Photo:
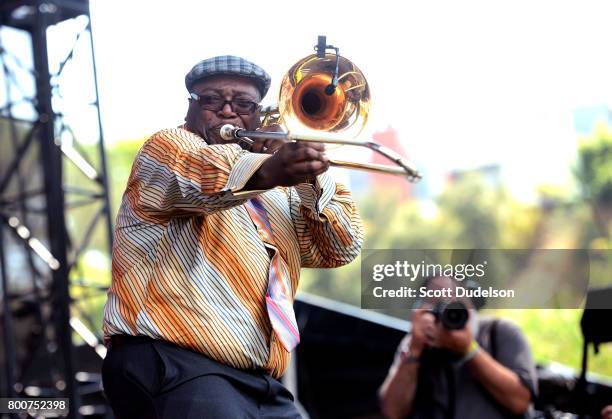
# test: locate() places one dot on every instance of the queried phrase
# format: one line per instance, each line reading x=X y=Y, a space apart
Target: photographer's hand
x=456 y=341
x=423 y=331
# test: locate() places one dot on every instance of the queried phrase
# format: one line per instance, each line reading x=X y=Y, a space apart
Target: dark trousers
x=151 y=379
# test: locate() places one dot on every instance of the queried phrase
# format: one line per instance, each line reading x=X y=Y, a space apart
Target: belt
x=117 y=341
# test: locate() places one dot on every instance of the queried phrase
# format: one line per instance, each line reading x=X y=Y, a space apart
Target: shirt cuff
x=244 y=168
x=316 y=197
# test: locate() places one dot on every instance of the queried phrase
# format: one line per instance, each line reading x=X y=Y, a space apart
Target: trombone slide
x=229 y=132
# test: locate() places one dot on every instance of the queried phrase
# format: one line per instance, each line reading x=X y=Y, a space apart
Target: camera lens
x=454 y=315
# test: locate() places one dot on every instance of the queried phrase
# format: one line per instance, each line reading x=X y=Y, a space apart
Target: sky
x=464 y=84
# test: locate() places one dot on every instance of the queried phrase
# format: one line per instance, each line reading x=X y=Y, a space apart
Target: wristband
x=473 y=350
x=407 y=357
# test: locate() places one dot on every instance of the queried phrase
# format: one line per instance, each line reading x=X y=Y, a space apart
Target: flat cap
x=228 y=64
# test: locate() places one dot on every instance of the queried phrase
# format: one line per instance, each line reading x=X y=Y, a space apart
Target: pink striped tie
x=278 y=300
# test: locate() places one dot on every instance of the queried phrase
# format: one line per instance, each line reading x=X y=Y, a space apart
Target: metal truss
x=54 y=200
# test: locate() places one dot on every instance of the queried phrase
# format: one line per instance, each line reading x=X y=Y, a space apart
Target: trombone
x=322 y=95
x=229 y=132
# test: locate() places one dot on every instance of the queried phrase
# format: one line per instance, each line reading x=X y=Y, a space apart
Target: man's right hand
x=293 y=163
x=422 y=331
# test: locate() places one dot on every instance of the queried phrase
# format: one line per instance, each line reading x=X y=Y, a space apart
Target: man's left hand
x=456 y=341
x=268 y=145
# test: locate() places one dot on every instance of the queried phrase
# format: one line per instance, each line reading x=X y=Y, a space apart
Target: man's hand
x=455 y=341
x=428 y=332
x=291 y=164
x=268 y=145
x=422 y=331
x=295 y=163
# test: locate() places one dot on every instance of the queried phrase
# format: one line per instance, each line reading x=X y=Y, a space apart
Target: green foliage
x=474 y=207
x=554 y=335
x=120 y=157
x=88 y=284
x=594 y=170
x=594 y=174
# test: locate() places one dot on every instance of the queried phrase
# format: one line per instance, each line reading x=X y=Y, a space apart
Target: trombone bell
x=307 y=106
x=314 y=108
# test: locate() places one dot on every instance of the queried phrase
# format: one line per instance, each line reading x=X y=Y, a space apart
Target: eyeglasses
x=215 y=104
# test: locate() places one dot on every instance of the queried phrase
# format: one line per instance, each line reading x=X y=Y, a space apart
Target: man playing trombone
x=209 y=243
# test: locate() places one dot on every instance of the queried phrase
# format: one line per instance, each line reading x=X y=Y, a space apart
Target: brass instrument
x=322 y=95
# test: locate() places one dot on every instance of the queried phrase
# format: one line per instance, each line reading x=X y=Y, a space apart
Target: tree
x=594 y=173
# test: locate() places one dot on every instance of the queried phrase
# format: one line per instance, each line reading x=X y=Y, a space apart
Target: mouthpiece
x=227 y=132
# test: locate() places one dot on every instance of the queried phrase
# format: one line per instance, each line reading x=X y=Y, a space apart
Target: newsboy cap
x=229 y=64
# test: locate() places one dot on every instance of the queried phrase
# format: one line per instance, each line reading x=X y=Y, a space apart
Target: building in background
x=362 y=182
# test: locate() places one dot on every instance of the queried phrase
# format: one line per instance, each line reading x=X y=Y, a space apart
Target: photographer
x=469 y=368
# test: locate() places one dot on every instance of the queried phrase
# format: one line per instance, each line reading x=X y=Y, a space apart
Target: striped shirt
x=189 y=265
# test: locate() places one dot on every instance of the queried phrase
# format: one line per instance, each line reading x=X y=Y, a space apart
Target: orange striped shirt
x=190 y=267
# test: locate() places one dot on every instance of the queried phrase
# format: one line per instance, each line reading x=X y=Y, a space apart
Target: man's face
x=438 y=284
x=207 y=123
